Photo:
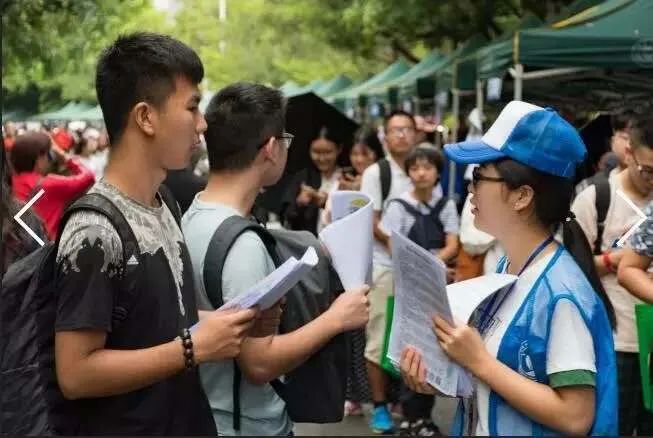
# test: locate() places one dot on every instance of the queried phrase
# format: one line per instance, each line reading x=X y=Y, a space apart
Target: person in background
x=366 y=151
x=437 y=222
x=85 y=150
x=32 y=158
x=636 y=182
x=9 y=135
x=62 y=137
x=16 y=242
x=400 y=133
x=308 y=193
x=635 y=269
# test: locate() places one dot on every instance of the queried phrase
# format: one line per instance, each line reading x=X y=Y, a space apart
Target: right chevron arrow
x=640 y=213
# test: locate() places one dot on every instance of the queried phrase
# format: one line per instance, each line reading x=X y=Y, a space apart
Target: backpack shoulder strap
x=386 y=178
x=411 y=209
x=99 y=203
x=602 y=203
x=169 y=199
x=223 y=239
x=437 y=208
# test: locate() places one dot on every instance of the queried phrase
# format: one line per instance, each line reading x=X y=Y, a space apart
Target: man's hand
x=351 y=310
x=267 y=324
x=220 y=335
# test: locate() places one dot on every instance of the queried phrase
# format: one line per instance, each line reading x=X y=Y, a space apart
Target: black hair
x=552 y=198
x=27 y=149
x=430 y=154
x=622 y=121
x=369 y=137
x=641 y=132
x=241 y=118
x=328 y=134
x=141 y=67
x=399 y=113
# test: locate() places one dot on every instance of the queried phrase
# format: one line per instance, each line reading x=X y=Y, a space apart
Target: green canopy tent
x=92 y=115
x=418 y=80
x=334 y=86
x=349 y=95
x=312 y=87
x=603 y=55
x=14 y=115
x=66 y=113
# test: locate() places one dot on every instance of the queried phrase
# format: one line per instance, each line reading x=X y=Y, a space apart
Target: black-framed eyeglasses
x=645 y=171
x=285 y=139
x=477 y=177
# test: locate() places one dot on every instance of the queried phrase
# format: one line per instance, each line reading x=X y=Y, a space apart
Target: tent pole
x=519 y=81
x=479 y=97
x=455 y=107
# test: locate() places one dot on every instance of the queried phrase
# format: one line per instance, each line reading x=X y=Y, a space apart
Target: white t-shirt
x=396 y=218
x=565 y=352
x=371 y=186
x=619 y=219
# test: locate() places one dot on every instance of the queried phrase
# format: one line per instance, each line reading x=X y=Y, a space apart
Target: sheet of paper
x=272 y=288
x=420 y=291
x=465 y=296
x=348 y=239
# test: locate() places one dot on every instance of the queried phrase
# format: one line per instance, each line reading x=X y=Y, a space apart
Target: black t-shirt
x=90 y=279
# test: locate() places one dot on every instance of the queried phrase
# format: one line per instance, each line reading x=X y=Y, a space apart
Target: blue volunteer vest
x=524 y=348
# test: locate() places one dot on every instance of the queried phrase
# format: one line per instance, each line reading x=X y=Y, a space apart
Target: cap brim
x=471 y=152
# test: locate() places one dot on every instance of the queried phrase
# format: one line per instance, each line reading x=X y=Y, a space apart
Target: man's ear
x=144 y=117
x=269 y=149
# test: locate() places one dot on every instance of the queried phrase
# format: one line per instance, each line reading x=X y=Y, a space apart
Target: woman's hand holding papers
x=221 y=333
x=462 y=343
x=413 y=372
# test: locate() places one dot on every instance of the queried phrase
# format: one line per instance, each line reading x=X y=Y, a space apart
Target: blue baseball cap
x=535 y=136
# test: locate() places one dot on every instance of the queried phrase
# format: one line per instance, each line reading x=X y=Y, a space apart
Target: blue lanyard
x=490 y=309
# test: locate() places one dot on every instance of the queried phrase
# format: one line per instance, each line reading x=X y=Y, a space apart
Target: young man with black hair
x=130 y=368
x=248 y=149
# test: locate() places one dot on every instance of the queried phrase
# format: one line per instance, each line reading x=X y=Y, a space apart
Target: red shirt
x=59 y=191
x=62 y=138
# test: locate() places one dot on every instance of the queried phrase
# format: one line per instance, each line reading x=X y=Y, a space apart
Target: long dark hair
x=552 y=198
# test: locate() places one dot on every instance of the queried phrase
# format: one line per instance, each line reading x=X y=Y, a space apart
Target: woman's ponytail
x=576 y=243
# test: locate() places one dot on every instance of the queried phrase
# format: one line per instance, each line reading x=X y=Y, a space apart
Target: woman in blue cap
x=541 y=350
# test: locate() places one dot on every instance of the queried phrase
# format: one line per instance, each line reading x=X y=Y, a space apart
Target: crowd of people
x=542 y=351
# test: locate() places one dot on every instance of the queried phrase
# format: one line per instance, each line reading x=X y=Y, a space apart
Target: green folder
x=386 y=364
x=644 y=317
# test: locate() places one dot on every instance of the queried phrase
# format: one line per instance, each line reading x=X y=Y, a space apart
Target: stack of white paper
x=349 y=238
x=272 y=288
x=420 y=292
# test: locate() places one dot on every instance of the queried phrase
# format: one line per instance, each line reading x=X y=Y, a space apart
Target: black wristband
x=187 y=344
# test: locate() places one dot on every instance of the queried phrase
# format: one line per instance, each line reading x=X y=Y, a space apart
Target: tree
x=53 y=45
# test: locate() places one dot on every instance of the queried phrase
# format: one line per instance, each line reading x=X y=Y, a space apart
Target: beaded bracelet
x=187 y=343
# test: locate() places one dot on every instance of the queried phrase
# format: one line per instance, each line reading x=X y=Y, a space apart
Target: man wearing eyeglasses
x=247 y=149
x=636 y=182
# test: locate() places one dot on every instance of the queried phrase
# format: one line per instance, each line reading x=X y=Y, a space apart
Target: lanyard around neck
x=491 y=309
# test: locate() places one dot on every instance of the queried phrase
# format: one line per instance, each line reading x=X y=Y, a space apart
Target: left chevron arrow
x=23 y=210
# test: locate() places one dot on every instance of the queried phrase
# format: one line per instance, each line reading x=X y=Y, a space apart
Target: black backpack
x=602 y=203
x=30 y=400
x=427 y=231
x=385 y=175
x=314 y=392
